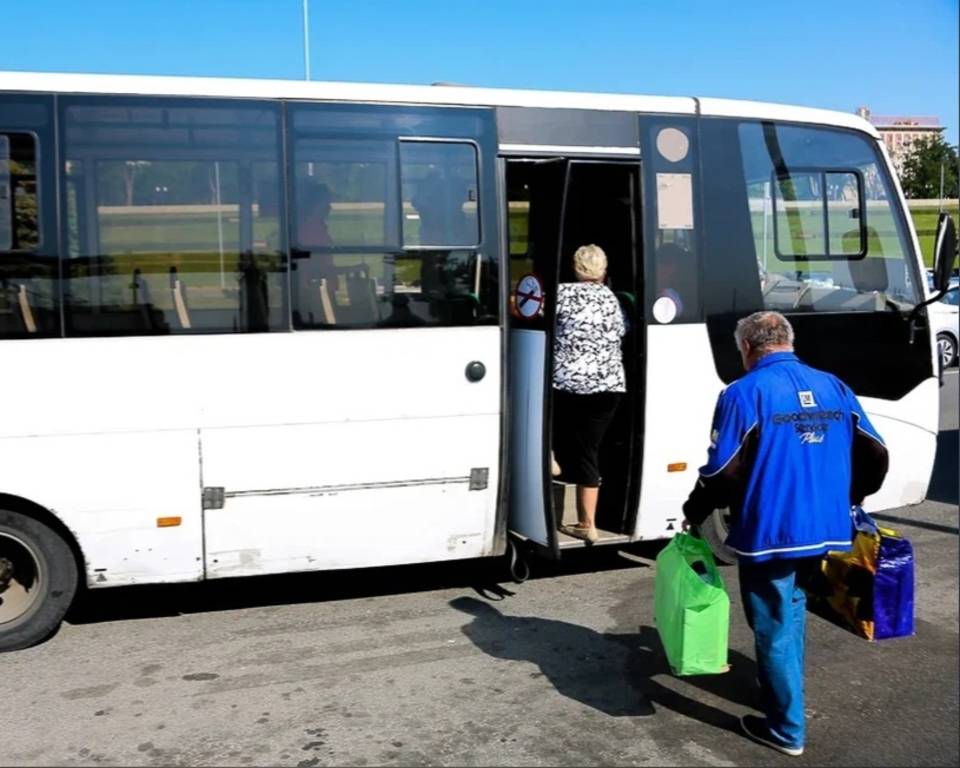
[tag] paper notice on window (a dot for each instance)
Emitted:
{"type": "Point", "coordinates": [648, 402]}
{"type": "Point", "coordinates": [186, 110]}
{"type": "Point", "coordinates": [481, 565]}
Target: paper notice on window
{"type": "Point", "coordinates": [674, 201]}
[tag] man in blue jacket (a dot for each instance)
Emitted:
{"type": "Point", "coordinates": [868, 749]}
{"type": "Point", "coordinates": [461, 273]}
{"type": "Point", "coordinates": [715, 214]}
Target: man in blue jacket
{"type": "Point", "coordinates": [791, 450]}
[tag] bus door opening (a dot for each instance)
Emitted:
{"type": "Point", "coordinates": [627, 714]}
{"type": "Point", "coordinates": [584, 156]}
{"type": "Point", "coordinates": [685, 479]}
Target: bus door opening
{"type": "Point", "coordinates": [588, 201]}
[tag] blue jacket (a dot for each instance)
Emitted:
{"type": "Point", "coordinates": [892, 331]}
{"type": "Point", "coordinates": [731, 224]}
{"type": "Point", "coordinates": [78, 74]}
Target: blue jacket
{"type": "Point", "coordinates": [791, 450]}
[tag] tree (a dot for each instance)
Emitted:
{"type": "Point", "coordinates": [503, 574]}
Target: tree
{"type": "Point", "coordinates": [921, 169]}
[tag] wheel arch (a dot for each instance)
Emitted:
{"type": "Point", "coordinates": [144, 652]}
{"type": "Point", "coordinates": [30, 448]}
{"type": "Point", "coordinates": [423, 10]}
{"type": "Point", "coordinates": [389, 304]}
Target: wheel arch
{"type": "Point", "coordinates": [40, 513]}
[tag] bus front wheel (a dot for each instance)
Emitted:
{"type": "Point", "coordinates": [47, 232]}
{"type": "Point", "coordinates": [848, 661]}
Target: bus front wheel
{"type": "Point", "coordinates": [38, 580]}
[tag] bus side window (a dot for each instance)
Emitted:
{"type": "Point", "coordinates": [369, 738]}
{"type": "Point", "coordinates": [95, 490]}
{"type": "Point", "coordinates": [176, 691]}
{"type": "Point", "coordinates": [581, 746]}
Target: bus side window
{"type": "Point", "coordinates": [173, 217]}
{"type": "Point", "coordinates": [343, 231]}
{"type": "Point", "coordinates": [28, 265]}
{"type": "Point", "coordinates": [365, 256]}
{"type": "Point", "coordinates": [19, 214]}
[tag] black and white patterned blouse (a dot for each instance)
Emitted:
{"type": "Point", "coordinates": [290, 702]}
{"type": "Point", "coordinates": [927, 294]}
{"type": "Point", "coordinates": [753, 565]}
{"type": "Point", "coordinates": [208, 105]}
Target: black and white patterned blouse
{"type": "Point", "coordinates": [586, 344]}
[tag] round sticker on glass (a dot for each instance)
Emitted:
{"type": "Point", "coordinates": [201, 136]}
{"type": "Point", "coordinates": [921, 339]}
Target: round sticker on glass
{"type": "Point", "coordinates": [528, 296]}
{"type": "Point", "coordinates": [664, 310]}
{"type": "Point", "coordinates": [673, 144]}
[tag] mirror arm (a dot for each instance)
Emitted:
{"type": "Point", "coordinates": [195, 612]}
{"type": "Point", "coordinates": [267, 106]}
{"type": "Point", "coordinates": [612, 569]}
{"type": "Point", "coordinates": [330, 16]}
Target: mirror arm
{"type": "Point", "coordinates": [913, 318]}
{"type": "Point", "coordinates": [926, 303]}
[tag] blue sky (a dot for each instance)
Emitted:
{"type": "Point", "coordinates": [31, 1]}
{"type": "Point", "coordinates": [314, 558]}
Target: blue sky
{"type": "Point", "coordinates": [894, 56]}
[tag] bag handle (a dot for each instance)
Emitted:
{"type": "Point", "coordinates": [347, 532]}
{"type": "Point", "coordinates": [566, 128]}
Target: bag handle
{"type": "Point", "coordinates": [862, 521]}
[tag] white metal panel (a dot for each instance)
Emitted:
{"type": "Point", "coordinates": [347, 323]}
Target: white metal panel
{"type": "Point", "coordinates": [109, 490]}
{"type": "Point", "coordinates": [348, 494]}
{"type": "Point", "coordinates": [419, 94]}
{"type": "Point", "coordinates": [912, 453]}
{"type": "Point", "coordinates": [758, 110]}
{"type": "Point", "coordinates": [919, 408]}
{"type": "Point", "coordinates": [682, 388]}
{"type": "Point", "coordinates": [371, 438]}
{"type": "Point", "coordinates": [133, 384]}
{"type": "Point", "coordinates": [527, 515]}
{"type": "Point", "coordinates": [331, 91]}
{"type": "Point", "coordinates": [909, 428]}
{"type": "Point", "coordinates": [105, 431]}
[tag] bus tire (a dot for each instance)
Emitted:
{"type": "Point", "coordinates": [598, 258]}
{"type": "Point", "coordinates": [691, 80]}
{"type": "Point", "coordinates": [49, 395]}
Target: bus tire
{"type": "Point", "coordinates": [714, 531]}
{"type": "Point", "coordinates": [38, 580]}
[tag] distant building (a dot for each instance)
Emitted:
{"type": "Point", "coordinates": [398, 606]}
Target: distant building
{"type": "Point", "coordinates": [899, 132]}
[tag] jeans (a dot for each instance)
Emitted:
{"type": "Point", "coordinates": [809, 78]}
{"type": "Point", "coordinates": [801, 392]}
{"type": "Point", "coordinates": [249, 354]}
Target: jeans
{"type": "Point", "coordinates": [775, 605]}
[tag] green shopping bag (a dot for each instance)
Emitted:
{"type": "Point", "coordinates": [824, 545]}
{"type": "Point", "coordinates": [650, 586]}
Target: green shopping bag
{"type": "Point", "coordinates": [691, 607]}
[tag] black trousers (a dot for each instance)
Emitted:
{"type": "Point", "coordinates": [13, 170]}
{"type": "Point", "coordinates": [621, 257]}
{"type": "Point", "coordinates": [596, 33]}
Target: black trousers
{"type": "Point", "coordinates": [579, 424]}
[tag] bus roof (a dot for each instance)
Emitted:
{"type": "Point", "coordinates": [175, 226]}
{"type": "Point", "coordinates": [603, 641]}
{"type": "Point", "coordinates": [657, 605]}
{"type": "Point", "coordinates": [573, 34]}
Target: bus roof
{"type": "Point", "coordinates": [151, 85]}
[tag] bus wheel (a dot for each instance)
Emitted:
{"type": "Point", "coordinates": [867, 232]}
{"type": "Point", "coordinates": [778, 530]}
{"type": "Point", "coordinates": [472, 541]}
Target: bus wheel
{"type": "Point", "coordinates": [38, 579]}
{"type": "Point", "coordinates": [714, 531]}
{"type": "Point", "coordinates": [518, 567]}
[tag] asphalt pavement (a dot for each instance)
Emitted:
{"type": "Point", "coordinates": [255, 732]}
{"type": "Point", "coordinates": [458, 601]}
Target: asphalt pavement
{"type": "Point", "coordinates": [443, 665]}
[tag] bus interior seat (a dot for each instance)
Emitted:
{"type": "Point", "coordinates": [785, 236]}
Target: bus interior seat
{"type": "Point", "coordinates": [179, 293]}
{"type": "Point", "coordinates": [326, 304]}
{"type": "Point", "coordinates": [362, 294]}
{"type": "Point", "coordinates": [26, 311]}
{"type": "Point", "coordinates": [869, 274]}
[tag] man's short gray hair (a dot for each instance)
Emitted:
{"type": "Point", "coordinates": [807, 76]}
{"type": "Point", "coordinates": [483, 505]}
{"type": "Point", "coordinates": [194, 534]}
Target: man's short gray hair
{"type": "Point", "coordinates": [762, 330]}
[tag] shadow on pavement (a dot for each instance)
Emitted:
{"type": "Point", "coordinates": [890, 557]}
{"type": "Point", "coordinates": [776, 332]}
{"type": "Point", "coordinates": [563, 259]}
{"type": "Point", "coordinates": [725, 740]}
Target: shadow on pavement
{"type": "Point", "coordinates": [485, 575]}
{"type": "Point", "coordinates": [610, 672]}
{"type": "Point", "coordinates": [944, 482]}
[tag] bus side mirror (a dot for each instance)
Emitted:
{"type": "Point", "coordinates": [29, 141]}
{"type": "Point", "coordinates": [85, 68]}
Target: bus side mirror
{"type": "Point", "coordinates": [944, 253]}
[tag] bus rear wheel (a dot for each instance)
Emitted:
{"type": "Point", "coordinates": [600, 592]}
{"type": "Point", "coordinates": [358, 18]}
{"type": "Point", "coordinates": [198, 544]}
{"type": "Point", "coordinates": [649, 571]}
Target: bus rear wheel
{"type": "Point", "coordinates": [38, 580]}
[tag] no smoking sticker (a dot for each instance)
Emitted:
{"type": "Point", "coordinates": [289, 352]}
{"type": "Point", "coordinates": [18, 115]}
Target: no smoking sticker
{"type": "Point", "coordinates": [528, 296]}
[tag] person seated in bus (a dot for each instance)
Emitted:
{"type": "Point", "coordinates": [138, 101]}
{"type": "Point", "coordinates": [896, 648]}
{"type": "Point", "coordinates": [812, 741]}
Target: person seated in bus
{"type": "Point", "coordinates": [588, 380]}
{"type": "Point", "coordinates": [439, 204]}
{"type": "Point", "coordinates": [313, 210]}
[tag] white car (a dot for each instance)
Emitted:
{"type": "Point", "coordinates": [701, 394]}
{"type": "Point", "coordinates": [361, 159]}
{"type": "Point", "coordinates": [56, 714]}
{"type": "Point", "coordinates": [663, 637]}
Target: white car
{"type": "Point", "coordinates": [944, 322]}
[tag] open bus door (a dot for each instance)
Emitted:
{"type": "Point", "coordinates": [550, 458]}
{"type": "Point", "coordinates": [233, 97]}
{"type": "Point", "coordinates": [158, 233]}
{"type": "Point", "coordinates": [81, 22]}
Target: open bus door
{"type": "Point", "coordinates": [570, 203]}
{"type": "Point", "coordinates": [542, 183]}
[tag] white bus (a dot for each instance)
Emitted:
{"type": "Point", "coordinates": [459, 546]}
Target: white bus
{"type": "Point", "coordinates": [253, 327]}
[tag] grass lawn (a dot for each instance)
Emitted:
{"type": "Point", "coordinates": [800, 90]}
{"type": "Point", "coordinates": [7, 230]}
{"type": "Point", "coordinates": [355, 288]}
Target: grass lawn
{"type": "Point", "coordinates": [925, 221]}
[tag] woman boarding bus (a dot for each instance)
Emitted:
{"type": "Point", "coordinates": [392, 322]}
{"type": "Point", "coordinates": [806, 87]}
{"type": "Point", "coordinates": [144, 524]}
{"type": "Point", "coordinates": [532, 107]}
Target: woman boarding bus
{"type": "Point", "coordinates": [196, 390]}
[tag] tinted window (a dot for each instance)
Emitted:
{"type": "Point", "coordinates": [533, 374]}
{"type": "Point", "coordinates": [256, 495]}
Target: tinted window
{"type": "Point", "coordinates": [816, 214]}
{"type": "Point", "coordinates": [386, 232]}
{"type": "Point", "coordinates": [439, 194]}
{"type": "Point", "coordinates": [844, 309]}
{"type": "Point", "coordinates": [29, 305]}
{"type": "Point", "coordinates": [19, 208]}
{"type": "Point", "coordinates": [173, 218]}
{"type": "Point", "coordinates": [825, 234]}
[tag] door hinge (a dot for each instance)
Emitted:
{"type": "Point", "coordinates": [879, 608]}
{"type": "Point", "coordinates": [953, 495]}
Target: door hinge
{"type": "Point", "coordinates": [479, 476]}
{"type": "Point", "coordinates": [213, 498]}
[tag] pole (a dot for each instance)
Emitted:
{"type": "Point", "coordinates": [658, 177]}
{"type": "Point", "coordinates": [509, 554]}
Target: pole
{"type": "Point", "coordinates": [217, 198]}
{"type": "Point", "coordinates": [941, 186]}
{"type": "Point", "coordinates": [766, 213]}
{"type": "Point", "coordinates": [306, 38]}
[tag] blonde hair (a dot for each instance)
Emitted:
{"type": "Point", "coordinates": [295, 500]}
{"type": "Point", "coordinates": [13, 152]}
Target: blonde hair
{"type": "Point", "coordinates": [590, 262]}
